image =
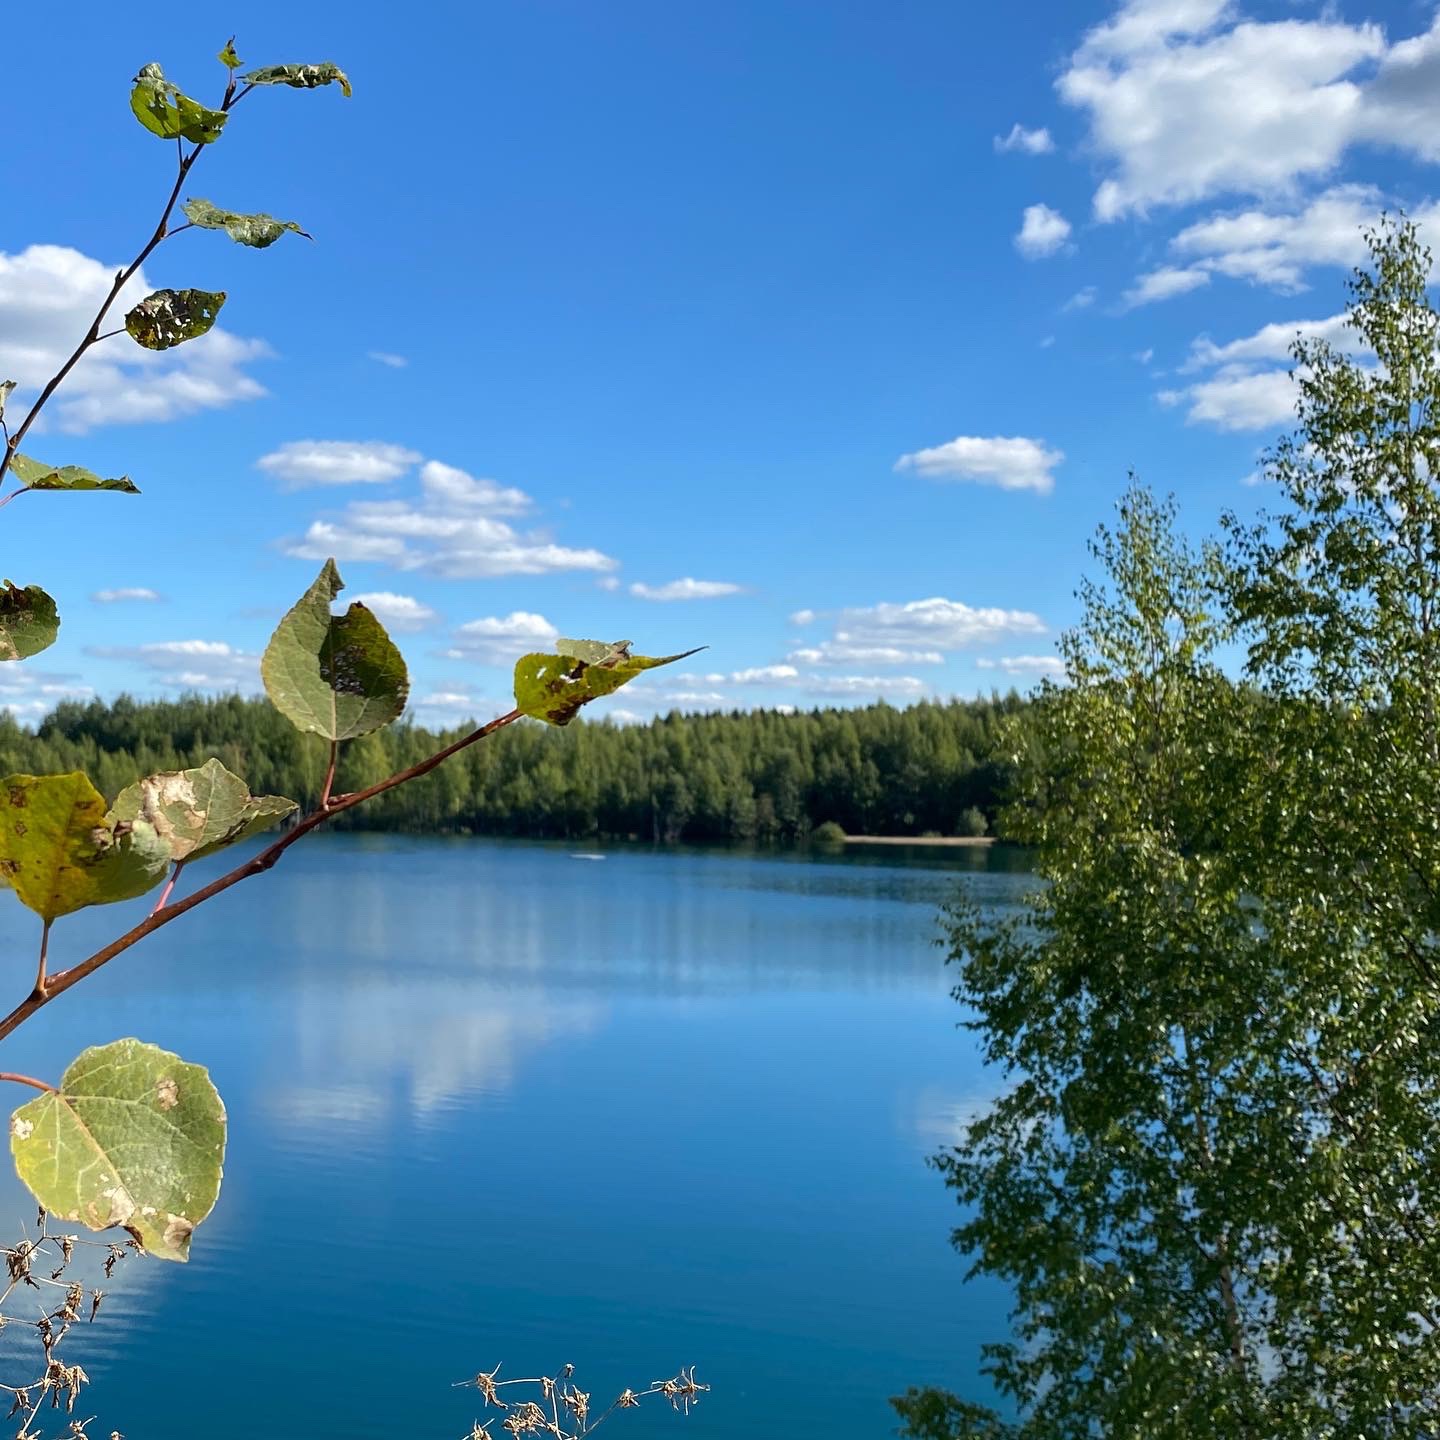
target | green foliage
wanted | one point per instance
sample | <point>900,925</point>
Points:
<point>257,231</point>
<point>827,832</point>
<point>29,621</point>
<point>553,688</point>
<point>60,852</point>
<point>973,823</point>
<point>1208,1177</point>
<point>300,77</point>
<point>197,812</point>
<point>165,112</point>
<point>339,676</point>
<point>134,1137</point>
<point>36,475</point>
<point>228,58</point>
<point>171,317</point>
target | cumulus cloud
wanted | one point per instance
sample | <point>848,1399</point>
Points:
<point>387,357</point>
<point>1013,462</point>
<point>1025,665</point>
<point>934,624</point>
<point>686,589</point>
<point>837,652</point>
<point>1028,142</point>
<point>451,529</point>
<point>499,639</point>
<point>1164,284</point>
<point>30,695</point>
<point>190,664</point>
<point>128,592</point>
<point>397,612</point>
<point>1248,385</point>
<point>1187,100</point>
<point>302,463</point>
<point>48,296</point>
<point>1042,232</point>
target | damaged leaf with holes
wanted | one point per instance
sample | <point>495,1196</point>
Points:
<point>134,1137</point>
<point>199,811</point>
<point>553,688</point>
<point>61,852</point>
<point>36,475</point>
<point>339,676</point>
<point>164,111</point>
<point>171,317</point>
<point>256,231</point>
<point>300,77</point>
<point>29,621</point>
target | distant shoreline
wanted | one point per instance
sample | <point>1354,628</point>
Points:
<point>919,839</point>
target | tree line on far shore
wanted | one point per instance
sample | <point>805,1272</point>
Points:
<point>760,775</point>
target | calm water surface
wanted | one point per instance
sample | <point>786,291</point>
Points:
<point>489,1102</point>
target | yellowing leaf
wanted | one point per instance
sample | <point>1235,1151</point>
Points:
<point>36,475</point>
<point>134,1137</point>
<point>29,622</point>
<point>60,852</point>
<point>554,687</point>
<point>164,111</point>
<point>256,231</point>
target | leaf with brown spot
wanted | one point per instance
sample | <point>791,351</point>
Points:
<point>553,688</point>
<point>197,812</point>
<point>168,318</point>
<point>134,1137</point>
<point>29,621</point>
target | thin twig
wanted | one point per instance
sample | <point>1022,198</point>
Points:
<point>57,984</point>
<point>44,951</point>
<point>329,784</point>
<point>26,1080</point>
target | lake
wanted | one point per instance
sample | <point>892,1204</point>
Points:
<point>493,1103</point>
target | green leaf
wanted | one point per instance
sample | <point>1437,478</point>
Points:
<point>170,317</point>
<point>164,111</point>
<point>300,77</point>
<point>228,58</point>
<point>197,812</point>
<point>554,687</point>
<point>134,1137</point>
<point>257,231</point>
<point>29,622</point>
<point>333,675</point>
<point>60,852</point>
<point>36,475</point>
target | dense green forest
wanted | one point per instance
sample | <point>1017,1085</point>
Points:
<point>760,775</point>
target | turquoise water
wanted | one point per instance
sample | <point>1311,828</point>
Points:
<point>493,1103</point>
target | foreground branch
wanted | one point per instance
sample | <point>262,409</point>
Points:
<point>58,983</point>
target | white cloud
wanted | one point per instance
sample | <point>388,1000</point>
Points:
<point>1245,389</point>
<point>128,592</point>
<point>302,463</point>
<point>872,687</point>
<point>1028,142</point>
<point>934,624</point>
<point>1164,284</point>
<point>1082,299</point>
<point>30,695</point>
<point>759,675</point>
<point>1187,99</point>
<point>190,664</point>
<point>397,612</point>
<point>497,639</point>
<point>1024,664</point>
<point>834,652</point>
<point>1145,356</point>
<point>1042,232</point>
<point>686,589</point>
<point>1013,462</point>
<point>49,295</point>
<point>803,617</point>
<point>450,529</point>
<point>387,357</point>
<point>608,582</point>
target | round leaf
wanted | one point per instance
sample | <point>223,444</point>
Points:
<point>334,675</point>
<point>171,317</point>
<point>29,621</point>
<point>134,1137</point>
<point>60,852</point>
<point>197,812</point>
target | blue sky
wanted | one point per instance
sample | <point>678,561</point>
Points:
<point>822,335</point>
